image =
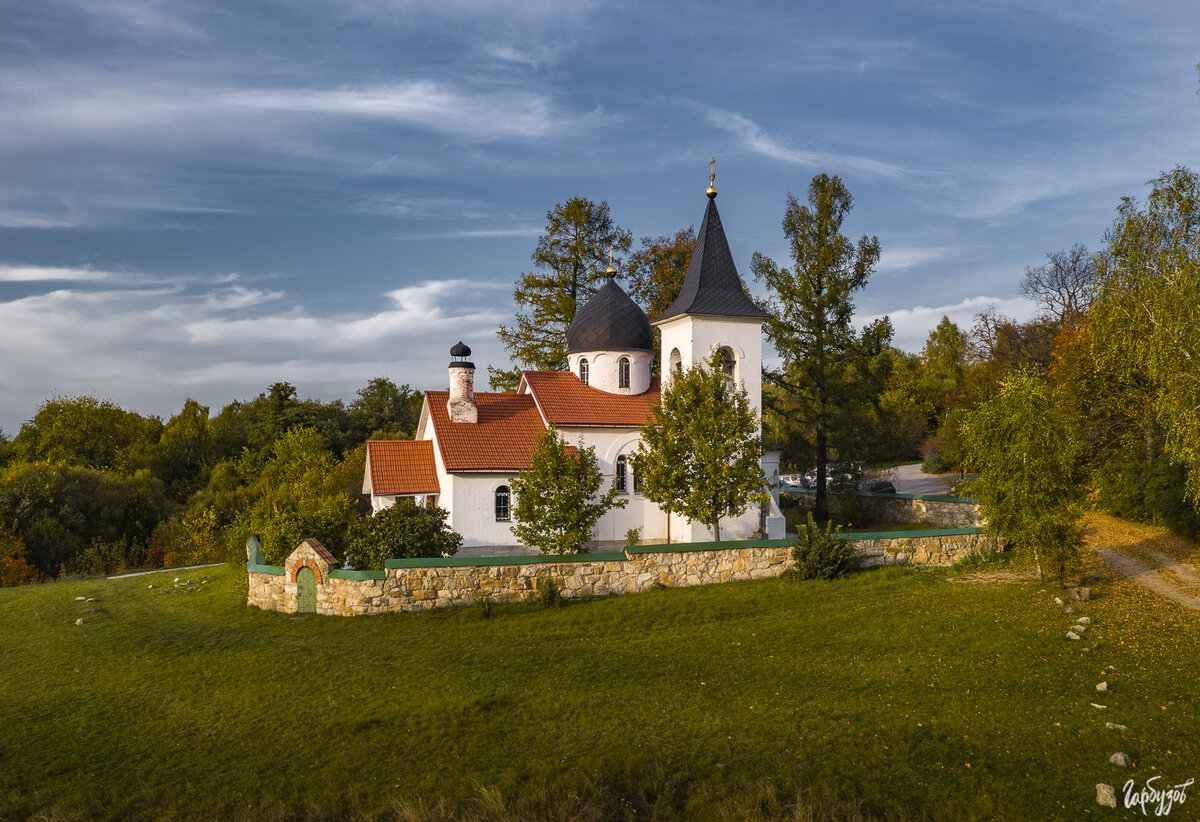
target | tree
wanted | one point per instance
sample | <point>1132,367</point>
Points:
<point>811,310</point>
<point>384,410</point>
<point>1062,286</point>
<point>184,450</point>
<point>294,500</point>
<point>556,496</point>
<point>403,530</point>
<point>1024,451</point>
<point>1144,312</point>
<point>570,261</point>
<point>87,432</point>
<point>700,453</point>
<point>657,269</point>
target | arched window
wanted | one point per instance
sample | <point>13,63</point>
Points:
<point>502,508</point>
<point>621,470</point>
<point>623,373</point>
<point>676,360</point>
<point>727,363</point>
<point>583,371</point>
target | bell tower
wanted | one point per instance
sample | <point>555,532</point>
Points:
<point>713,312</point>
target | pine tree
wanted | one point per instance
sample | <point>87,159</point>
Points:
<point>570,262</point>
<point>811,305</point>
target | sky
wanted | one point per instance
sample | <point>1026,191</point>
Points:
<point>200,198</point>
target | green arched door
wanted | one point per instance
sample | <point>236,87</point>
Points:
<point>306,591</point>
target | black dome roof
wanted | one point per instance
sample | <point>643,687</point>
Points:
<point>610,321</point>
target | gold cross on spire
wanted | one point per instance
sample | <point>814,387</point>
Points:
<point>712,177</point>
<point>611,271</point>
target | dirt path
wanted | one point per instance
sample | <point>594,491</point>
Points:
<point>1152,557</point>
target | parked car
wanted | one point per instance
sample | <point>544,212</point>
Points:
<point>876,486</point>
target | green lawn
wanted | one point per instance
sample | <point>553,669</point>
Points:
<point>892,694</point>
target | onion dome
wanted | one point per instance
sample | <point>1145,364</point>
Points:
<point>610,321</point>
<point>460,352</point>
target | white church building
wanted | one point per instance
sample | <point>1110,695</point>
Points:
<point>468,445</point>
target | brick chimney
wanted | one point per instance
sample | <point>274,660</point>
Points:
<point>461,405</point>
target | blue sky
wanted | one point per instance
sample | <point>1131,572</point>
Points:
<point>202,198</point>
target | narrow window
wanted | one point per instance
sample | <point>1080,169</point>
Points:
<point>502,504</point>
<point>633,476</point>
<point>583,371</point>
<point>727,362</point>
<point>623,373</point>
<point>621,469</point>
<point>676,360</point>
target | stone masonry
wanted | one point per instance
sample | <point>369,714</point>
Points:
<point>418,586</point>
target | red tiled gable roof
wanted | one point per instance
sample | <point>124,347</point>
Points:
<point>564,400</point>
<point>320,550</point>
<point>508,427</point>
<point>402,467</point>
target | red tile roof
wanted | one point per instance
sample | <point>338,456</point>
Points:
<point>564,400</point>
<point>402,467</point>
<point>508,427</point>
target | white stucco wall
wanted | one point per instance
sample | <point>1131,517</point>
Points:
<point>697,336</point>
<point>603,370</point>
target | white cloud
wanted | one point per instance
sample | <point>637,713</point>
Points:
<point>912,325</point>
<point>150,348</point>
<point>34,273</point>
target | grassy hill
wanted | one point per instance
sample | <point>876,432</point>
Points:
<point>894,693</point>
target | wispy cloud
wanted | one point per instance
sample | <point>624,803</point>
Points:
<point>149,348</point>
<point>480,114</point>
<point>36,274</point>
<point>756,140</point>
<point>899,258</point>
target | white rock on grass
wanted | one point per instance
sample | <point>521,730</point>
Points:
<point>1072,635</point>
<point>79,621</point>
<point>1101,686</point>
<point>177,579</point>
<point>1079,629</point>
<point>1115,726</point>
<point>1084,620</point>
<point>1098,707</point>
<point>1069,610</point>
<point>80,599</point>
<point>1058,601</point>
<point>1105,795</point>
<point>1121,759</point>
<point>1112,668</point>
<point>150,586</point>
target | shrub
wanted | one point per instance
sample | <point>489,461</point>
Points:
<point>548,593</point>
<point>485,604</point>
<point>821,553</point>
<point>933,463</point>
<point>632,536</point>
<point>403,531</point>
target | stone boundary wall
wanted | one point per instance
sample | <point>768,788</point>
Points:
<point>419,584</point>
<point>941,511</point>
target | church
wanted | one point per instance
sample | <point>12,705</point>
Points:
<point>468,445</point>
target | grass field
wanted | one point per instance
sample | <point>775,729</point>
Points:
<point>894,693</point>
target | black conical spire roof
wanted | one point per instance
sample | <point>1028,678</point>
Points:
<point>610,321</point>
<point>712,284</point>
